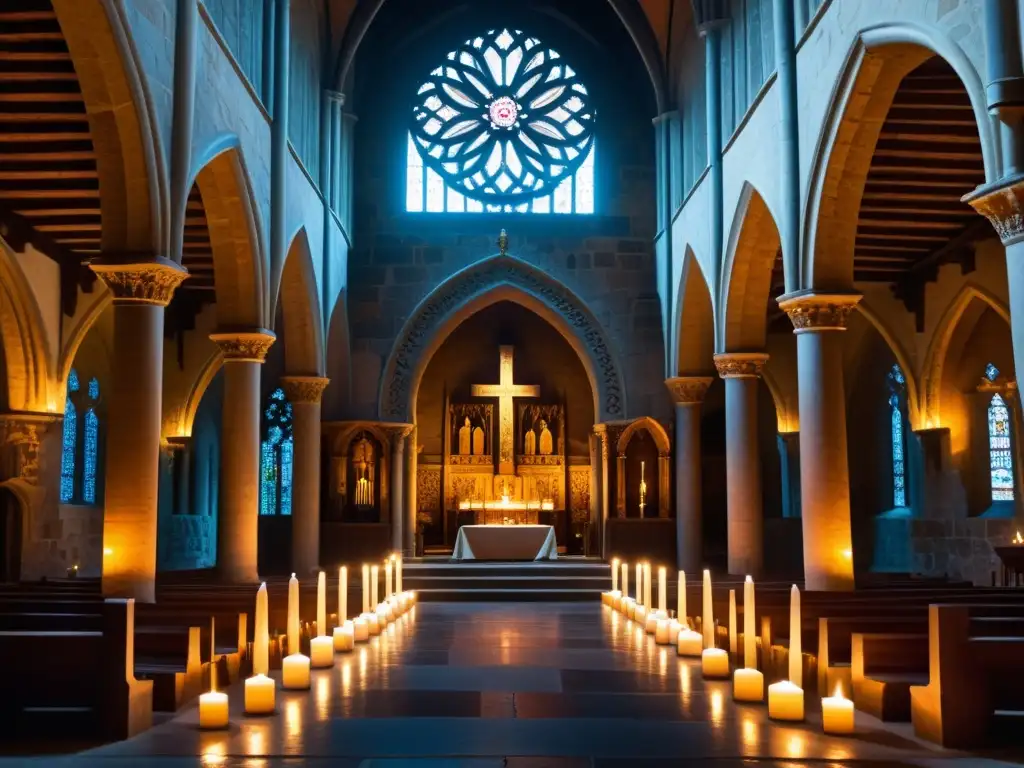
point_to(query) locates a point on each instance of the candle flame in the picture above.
(107, 551)
(1018, 539)
(839, 691)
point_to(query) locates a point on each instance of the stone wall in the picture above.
(81, 540)
(960, 549)
(186, 542)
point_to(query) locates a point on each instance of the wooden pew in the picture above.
(835, 644)
(883, 667)
(170, 657)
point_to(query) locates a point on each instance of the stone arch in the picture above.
(913, 401)
(24, 342)
(877, 63)
(695, 321)
(121, 122)
(652, 427)
(787, 417)
(938, 347)
(98, 303)
(235, 239)
(182, 421)
(303, 335)
(499, 278)
(753, 246)
(337, 396)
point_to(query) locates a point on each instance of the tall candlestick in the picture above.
(625, 580)
(293, 615)
(640, 583)
(786, 698)
(708, 618)
(398, 574)
(615, 573)
(366, 588)
(321, 647)
(321, 604)
(387, 576)
(374, 583)
(796, 667)
(749, 641)
(733, 647)
(643, 490)
(681, 599)
(648, 602)
(342, 595)
(663, 590)
(261, 635)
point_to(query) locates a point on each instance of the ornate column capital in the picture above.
(1002, 203)
(23, 433)
(152, 281)
(688, 390)
(244, 346)
(811, 311)
(304, 389)
(336, 97)
(740, 365)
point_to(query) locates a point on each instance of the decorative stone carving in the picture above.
(304, 389)
(428, 490)
(736, 365)
(22, 434)
(416, 337)
(579, 489)
(244, 346)
(818, 311)
(688, 390)
(1003, 206)
(150, 282)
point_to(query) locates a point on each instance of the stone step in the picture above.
(498, 595)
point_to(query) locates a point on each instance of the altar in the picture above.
(505, 542)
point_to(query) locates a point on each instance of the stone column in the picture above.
(398, 487)
(601, 431)
(332, 187)
(688, 394)
(304, 393)
(741, 371)
(818, 320)
(141, 292)
(181, 473)
(411, 467)
(244, 353)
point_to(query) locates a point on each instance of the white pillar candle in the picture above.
(321, 652)
(259, 695)
(374, 584)
(373, 623)
(689, 643)
(342, 595)
(344, 637)
(663, 590)
(261, 635)
(749, 640)
(661, 632)
(366, 588)
(796, 665)
(708, 617)
(293, 615)
(360, 629)
(674, 628)
(651, 621)
(295, 672)
(747, 685)
(639, 583)
(837, 714)
(625, 580)
(648, 602)
(714, 663)
(398, 574)
(785, 701)
(387, 576)
(681, 598)
(321, 605)
(733, 646)
(213, 710)
(615, 573)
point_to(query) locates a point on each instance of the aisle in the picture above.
(489, 685)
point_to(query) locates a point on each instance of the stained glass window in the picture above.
(502, 125)
(276, 456)
(991, 372)
(897, 390)
(1000, 456)
(90, 449)
(69, 443)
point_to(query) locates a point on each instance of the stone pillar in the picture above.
(595, 487)
(620, 485)
(244, 353)
(411, 468)
(398, 487)
(332, 189)
(181, 473)
(601, 432)
(304, 393)
(688, 394)
(741, 371)
(819, 320)
(141, 292)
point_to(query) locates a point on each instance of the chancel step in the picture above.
(563, 580)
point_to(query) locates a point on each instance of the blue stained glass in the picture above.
(90, 457)
(1000, 456)
(67, 457)
(276, 456)
(897, 386)
(94, 389)
(991, 372)
(268, 479)
(73, 385)
(287, 448)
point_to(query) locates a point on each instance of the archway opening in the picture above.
(10, 536)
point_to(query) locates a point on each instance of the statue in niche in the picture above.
(478, 442)
(363, 467)
(530, 447)
(545, 439)
(465, 438)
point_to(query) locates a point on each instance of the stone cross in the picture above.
(505, 390)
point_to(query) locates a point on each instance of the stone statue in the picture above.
(530, 447)
(545, 439)
(465, 438)
(478, 442)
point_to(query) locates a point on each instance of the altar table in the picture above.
(506, 542)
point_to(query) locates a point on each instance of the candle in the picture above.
(681, 597)
(344, 637)
(382, 615)
(374, 583)
(708, 619)
(261, 635)
(648, 603)
(689, 643)
(387, 576)
(295, 672)
(321, 652)
(747, 685)
(360, 629)
(259, 695)
(625, 580)
(733, 646)
(293, 615)
(615, 574)
(714, 663)
(785, 701)
(342, 594)
(837, 714)
(372, 622)
(663, 590)
(661, 632)
(366, 588)
(398, 574)
(749, 641)
(796, 666)
(321, 604)
(674, 628)
(639, 582)
(651, 621)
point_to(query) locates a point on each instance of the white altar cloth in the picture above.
(506, 542)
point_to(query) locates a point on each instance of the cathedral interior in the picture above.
(577, 318)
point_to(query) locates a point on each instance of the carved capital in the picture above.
(740, 365)
(818, 311)
(23, 433)
(149, 282)
(1002, 204)
(304, 389)
(688, 390)
(244, 346)
(336, 97)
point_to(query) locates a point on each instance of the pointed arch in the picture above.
(878, 60)
(788, 418)
(750, 257)
(499, 278)
(184, 418)
(337, 396)
(913, 403)
(695, 322)
(652, 427)
(24, 342)
(938, 347)
(299, 301)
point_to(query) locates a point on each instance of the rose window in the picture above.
(504, 124)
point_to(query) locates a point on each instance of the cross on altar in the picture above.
(505, 390)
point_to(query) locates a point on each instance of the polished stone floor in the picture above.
(518, 685)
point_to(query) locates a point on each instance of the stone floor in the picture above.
(517, 685)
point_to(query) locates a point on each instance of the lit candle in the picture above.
(382, 615)
(213, 706)
(625, 580)
(259, 695)
(708, 618)
(398, 574)
(786, 698)
(259, 689)
(366, 588)
(651, 621)
(387, 576)
(360, 629)
(293, 615)
(733, 647)
(639, 583)
(661, 632)
(837, 714)
(689, 643)
(373, 622)
(663, 590)
(748, 683)
(796, 666)
(344, 637)
(648, 602)
(321, 647)
(295, 672)
(674, 628)
(374, 584)
(681, 598)
(714, 663)
(615, 573)
(342, 594)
